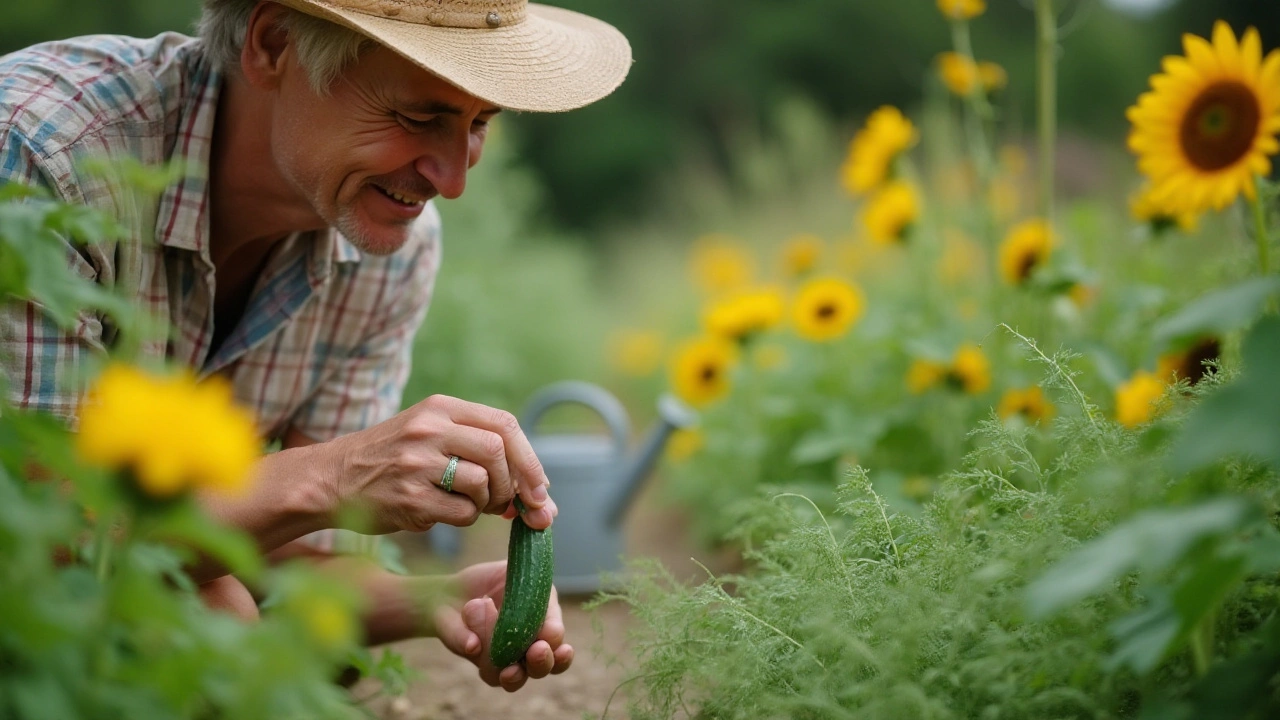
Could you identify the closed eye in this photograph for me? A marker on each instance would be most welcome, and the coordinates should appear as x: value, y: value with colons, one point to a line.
x: 417, y: 124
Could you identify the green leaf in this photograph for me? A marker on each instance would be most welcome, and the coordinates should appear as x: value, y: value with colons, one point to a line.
x: 13, y: 271
x: 1217, y: 313
x: 1145, y: 636
x: 1242, y: 686
x: 186, y: 524
x: 17, y: 191
x: 1242, y: 418
x: 1152, y: 540
x: 1148, y: 636
x: 818, y: 446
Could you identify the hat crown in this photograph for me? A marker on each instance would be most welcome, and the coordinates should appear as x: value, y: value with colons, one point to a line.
x: 442, y: 13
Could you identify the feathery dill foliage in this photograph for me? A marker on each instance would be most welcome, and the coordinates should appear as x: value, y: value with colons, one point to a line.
x: 871, y: 613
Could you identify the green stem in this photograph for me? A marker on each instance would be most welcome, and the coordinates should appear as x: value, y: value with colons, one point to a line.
x: 1202, y: 645
x: 102, y: 549
x: 1260, y: 234
x: 1046, y: 100
x: 977, y: 109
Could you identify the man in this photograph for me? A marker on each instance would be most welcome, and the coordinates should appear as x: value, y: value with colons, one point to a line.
x: 296, y: 253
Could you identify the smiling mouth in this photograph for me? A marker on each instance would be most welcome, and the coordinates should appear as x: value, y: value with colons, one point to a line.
x: 401, y: 199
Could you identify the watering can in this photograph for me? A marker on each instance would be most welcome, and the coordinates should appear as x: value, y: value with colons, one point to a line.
x: 595, y: 477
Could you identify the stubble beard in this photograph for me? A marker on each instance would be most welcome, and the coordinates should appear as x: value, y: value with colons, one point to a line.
x: 348, y: 224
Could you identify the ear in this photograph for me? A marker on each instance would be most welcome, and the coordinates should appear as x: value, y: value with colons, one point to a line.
x: 262, y: 60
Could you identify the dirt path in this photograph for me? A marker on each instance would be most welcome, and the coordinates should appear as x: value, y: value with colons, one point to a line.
x: 448, y: 688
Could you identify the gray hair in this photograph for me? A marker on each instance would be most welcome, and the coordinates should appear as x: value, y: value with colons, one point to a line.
x: 324, y: 48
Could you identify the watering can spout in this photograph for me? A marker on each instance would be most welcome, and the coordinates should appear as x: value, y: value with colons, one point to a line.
x: 672, y: 415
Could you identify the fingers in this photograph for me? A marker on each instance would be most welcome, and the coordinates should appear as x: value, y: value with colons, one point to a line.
x: 549, y: 654
x: 455, y: 634
x: 563, y: 659
x: 522, y: 463
x: 553, y: 626
x: 480, y: 615
x: 485, y: 451
x: 469, y: 480
x: 513, y: 678
x: 539, y: 660
x: 450, y: 509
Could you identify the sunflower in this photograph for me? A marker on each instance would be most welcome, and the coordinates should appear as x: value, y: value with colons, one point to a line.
x: 700, y: 370
x: 891, y: 212
x: 800, y: 254
x: 1025, y: 248
x: 924, y: 374
x: 1189, y: 364
x: 886, y: 135
x: 958, y: 72
x: 1028, y: 403
x: 684, y: 444
x: 970, y: 371
x: 1145, y: 208
x: 635, y: 353
x: 993, y: 77
x: 1005, y: 195
x: 1013, y: 160
x: 1082, y: 294
x: 1136, y: 398
x: 169, y: 432
x: 962, y: 9
x: 961, y: 257
x: 1207, y: 127
x: 918, y: 487
x: 741, y: 316
x: 825, y: 308
x: 721, y: 263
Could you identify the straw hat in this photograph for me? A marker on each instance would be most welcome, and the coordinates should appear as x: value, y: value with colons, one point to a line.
x: 512, y: 53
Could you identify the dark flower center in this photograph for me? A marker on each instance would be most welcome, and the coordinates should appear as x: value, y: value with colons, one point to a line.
x: 1193, y: 369
x: 1026, y: 264
x: 826, y: 311
x: 708, y: 374
x: 1220, y: 126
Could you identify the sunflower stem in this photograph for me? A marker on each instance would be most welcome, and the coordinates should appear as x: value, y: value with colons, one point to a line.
x: 1260, y: 233
x: 1046, y: 100
x: 977, y: 109
x: 102, y: 549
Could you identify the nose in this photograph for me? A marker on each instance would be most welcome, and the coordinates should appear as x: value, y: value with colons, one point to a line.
x: 445, y: 164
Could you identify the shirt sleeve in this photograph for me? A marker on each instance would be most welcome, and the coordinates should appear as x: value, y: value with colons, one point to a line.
x: 42, y: 363
x: 366, y: 386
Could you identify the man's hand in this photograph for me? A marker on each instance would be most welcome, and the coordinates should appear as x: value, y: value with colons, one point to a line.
x: 467, y: 628
x: 392, y: 470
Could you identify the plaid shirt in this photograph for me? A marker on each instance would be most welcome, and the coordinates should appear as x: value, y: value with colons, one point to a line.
x: 323, y: 345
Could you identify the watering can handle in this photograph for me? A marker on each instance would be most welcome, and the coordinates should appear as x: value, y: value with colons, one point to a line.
x: 583, y: 393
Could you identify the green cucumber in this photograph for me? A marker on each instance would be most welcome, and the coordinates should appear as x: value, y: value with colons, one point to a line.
x: 527, y: 593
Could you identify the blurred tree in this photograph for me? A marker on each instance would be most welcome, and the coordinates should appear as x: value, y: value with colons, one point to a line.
x: 711, y: 71
x: 707, y: 71
x: 26, y: 23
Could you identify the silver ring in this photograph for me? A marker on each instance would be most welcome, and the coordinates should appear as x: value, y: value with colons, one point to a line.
x: 450, y: 470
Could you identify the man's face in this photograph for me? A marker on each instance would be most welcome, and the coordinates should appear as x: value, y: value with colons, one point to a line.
x: 389, y: 137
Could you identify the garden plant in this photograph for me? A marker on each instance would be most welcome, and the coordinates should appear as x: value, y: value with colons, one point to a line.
x: 994, y: 454
x: 100, y: 618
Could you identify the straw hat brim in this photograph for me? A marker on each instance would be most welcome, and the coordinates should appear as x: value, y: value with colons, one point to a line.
x: 553, y: 61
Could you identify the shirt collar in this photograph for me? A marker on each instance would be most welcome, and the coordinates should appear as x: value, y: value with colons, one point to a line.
x: 183, y: 217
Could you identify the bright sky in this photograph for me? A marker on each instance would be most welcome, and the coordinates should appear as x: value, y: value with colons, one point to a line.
x: 1139, y: 7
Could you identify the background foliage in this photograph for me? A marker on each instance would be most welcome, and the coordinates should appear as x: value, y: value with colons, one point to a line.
x: 710, y: 75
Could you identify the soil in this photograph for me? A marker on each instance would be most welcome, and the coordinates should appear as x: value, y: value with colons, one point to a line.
x: 448, y: 688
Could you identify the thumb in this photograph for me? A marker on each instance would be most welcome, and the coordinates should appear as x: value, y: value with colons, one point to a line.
x: 455, y: 634
x: 480, y: 615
